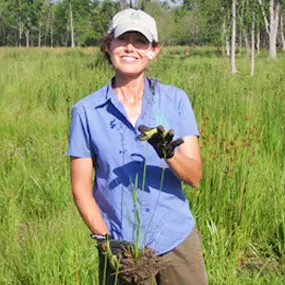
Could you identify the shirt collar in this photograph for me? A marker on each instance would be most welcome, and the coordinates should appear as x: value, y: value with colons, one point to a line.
x: 109, y: 93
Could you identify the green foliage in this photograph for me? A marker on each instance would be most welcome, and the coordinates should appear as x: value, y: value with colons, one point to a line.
x: 239, y: 205
x: 193, y: 22
x: 213, y: 15
x: 164, y: 19
x: 48, y: 22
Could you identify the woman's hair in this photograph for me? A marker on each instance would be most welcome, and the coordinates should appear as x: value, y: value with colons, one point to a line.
x: 105, y: 44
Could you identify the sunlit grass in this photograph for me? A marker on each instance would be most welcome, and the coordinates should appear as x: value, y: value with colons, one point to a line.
x: 239, y: 205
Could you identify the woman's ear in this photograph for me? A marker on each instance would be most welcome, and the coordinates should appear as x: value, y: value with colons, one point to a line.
x: 150, y: 55
x: 153, y: 53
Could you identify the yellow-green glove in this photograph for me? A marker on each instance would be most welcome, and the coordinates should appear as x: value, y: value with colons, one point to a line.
x: 161, y: 140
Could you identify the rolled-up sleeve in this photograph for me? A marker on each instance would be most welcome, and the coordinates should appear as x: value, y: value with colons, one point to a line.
x: 79, y: 136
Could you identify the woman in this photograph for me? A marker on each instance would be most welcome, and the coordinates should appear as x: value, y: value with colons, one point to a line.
x: 120, y: 132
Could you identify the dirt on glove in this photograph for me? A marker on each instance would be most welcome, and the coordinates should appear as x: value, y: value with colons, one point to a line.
x: 142, y: 270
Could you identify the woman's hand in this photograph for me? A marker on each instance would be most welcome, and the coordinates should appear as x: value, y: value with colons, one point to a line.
x: 186, y: 162
x: 160, y: 139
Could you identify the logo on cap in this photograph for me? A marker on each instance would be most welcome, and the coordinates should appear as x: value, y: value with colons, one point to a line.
x: 135, y: 16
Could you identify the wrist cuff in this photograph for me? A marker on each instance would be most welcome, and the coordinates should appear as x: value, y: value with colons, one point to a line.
x: 100, y: 237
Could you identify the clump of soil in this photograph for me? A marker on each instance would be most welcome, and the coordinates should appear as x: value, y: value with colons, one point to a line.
x: 142, y: 270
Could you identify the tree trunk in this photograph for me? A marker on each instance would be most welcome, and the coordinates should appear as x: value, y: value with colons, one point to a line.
x: 71, y: 25
x: 51, y: 29
x: 252, y: 43
x: 20, y: 32
x: 243, y: 32
x: 258, y: 40
x: 51, y: 34
x: 225, y: 40
x: 66, y: 40
x: 246, y: 41
x: 240, y: 42
x: 282, y: 32
x: 272, y: 45
x: 27, y: 34
x: 272, y: 26
x: 274, y: 17
x: 223, y: 37
x: 228, y: 52
x: 122, y: 5
x: 40, y: 35
x: 233, y: 46
x: 46, y: 29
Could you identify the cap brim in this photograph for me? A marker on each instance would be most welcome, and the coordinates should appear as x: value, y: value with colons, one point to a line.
x: 132, y: 27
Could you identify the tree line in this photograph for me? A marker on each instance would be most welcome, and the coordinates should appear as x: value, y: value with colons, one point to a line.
x: 190, y: 22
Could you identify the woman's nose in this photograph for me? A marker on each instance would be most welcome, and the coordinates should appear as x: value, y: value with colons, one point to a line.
x: 130, y: 46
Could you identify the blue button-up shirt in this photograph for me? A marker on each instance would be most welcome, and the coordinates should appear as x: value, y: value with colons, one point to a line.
x: 139, y: 196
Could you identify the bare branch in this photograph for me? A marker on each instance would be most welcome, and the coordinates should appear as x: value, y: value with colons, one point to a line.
x: 266, y: 23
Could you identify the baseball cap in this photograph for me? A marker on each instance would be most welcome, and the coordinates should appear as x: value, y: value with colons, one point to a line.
x: 134, y: 20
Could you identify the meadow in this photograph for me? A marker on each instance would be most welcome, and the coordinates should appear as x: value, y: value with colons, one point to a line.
x: 239, y: 205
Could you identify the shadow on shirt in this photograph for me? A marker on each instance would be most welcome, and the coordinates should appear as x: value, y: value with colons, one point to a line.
x: 128, y: 174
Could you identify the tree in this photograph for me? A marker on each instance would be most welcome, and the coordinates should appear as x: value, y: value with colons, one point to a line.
x: 187, y: 4
x: 8, y: 23
x: 71, y: 24
x: 108, y: 9
x: 233, y: 45
x: 164, y: 19
x: 282, y: 30
x: 271, y: 26
x: 244, y: 20
x: 215, y: 21
x: 28, y: 16
x: 252, y: 40
x: 141, y: 4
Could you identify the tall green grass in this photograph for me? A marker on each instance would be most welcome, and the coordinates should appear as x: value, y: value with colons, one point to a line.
x: 239, y: 204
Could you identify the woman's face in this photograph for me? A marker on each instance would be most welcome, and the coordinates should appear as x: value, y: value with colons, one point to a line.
x: 130, y: 53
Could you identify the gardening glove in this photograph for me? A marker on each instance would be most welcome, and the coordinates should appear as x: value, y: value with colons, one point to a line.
x: 161, y: 140
x: 113, y: 249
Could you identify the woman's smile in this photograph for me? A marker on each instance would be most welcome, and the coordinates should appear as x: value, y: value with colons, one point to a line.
x: 128, y: 58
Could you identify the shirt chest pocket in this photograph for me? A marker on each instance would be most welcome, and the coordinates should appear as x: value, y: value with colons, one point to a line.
x: 111, y: 139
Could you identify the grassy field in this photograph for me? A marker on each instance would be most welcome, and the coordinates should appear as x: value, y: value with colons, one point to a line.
x: 239, y: 205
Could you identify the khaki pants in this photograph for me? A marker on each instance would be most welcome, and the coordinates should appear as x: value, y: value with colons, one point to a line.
x: 184, y: 265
